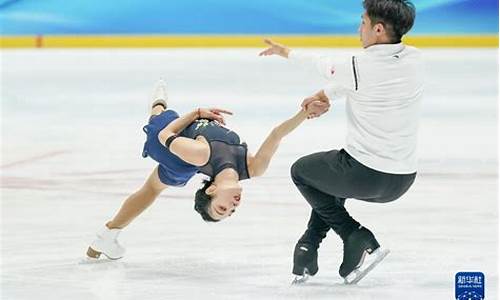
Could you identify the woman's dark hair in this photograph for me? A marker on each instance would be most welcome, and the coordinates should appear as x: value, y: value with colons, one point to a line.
x: 202, y: 201
x: 397, y: 16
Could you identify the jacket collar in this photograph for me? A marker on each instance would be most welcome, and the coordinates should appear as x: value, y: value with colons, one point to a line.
x: 385, y: 49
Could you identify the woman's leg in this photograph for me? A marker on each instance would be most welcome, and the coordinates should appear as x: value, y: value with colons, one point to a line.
x: 157, y: 109
x: 136, y: 203
x: 159, y: 103
x: 106, y: 242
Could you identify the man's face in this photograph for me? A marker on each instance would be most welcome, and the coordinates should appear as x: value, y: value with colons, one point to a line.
x: 367, y: 32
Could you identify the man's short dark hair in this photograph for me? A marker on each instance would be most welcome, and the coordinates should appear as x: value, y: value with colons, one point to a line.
x: 202, y: 202
x: 397, y: 16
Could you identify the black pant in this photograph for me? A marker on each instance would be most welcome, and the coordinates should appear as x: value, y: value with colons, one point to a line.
x: 326, y: 179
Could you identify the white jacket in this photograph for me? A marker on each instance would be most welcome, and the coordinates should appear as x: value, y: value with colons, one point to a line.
x: 383, y: 86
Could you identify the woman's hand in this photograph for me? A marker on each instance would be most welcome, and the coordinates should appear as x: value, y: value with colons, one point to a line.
x: 319, y: 96
x: 316, y: 108
x: 213, y: 114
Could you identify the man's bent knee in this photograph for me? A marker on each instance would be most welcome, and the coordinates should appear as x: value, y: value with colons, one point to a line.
x: 297, y: 170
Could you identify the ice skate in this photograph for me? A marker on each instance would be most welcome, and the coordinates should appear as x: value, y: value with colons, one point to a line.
x: 107, y: 244
x: 362, y: 253
x: 305, y: 263
x: 369, y: 262
x: 160, y: 96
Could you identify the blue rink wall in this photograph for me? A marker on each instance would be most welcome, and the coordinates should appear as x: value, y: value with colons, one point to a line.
x: 29, y: 17
x: 26, y: 23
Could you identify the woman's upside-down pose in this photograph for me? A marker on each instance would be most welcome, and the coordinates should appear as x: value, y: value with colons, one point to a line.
x: 196, y: 142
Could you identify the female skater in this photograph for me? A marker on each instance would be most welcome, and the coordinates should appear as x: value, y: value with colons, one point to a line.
x: 196, y: 142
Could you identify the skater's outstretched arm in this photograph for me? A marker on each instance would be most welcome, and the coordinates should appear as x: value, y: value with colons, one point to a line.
x: 320, y: 63
x: 339, y: 71
x: 258, y: 164
x: 195, y: 152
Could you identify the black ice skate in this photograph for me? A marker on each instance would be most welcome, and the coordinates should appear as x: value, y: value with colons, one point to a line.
x: 305, y: 262
x: 362, y: 253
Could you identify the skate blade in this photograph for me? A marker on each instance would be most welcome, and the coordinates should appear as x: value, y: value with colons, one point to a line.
x: 93, y: 261
x: 301, y: 279
x: 371, y: 261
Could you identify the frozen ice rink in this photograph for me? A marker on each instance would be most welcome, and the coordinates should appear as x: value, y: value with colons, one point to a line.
x: 71, y: 153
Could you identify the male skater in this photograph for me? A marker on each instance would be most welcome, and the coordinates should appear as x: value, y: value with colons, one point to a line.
x: 383, y: 89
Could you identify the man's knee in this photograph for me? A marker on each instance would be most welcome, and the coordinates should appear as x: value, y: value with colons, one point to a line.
x: 386, y: 199
x: 297, y: 170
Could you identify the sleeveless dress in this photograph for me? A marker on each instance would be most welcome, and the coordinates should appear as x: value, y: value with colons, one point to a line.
x: 226, y: 150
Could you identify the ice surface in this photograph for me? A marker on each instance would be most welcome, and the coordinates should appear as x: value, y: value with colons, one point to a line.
x: 71, y: 145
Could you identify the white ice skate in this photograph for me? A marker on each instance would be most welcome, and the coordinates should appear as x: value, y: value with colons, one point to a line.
x: 160, y: 96
x: 107, y: 244
x: 368, y: 263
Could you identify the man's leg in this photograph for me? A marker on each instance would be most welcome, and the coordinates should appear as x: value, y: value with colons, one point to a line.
x: 327, y: 212
x: 316, y: 230
x: 320, y: 177
x: 326, y: 179
x: 305, y: 255
x: 330, y: 210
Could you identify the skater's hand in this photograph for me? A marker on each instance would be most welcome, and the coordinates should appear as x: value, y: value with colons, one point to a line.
x: 213, y: 114
x: 319, y: 96
x: 275, y: 48
x: 316, y: 108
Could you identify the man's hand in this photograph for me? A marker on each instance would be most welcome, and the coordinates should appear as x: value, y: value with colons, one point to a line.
x: 316, y: 108
x: 213, y: 114
x: 319, y: 96
x: 275, y: 48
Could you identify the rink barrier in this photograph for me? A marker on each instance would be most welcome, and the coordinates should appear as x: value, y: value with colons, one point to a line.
x: 220, y: 41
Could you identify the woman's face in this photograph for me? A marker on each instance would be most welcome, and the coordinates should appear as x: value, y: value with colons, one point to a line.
x: 225, y: 199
